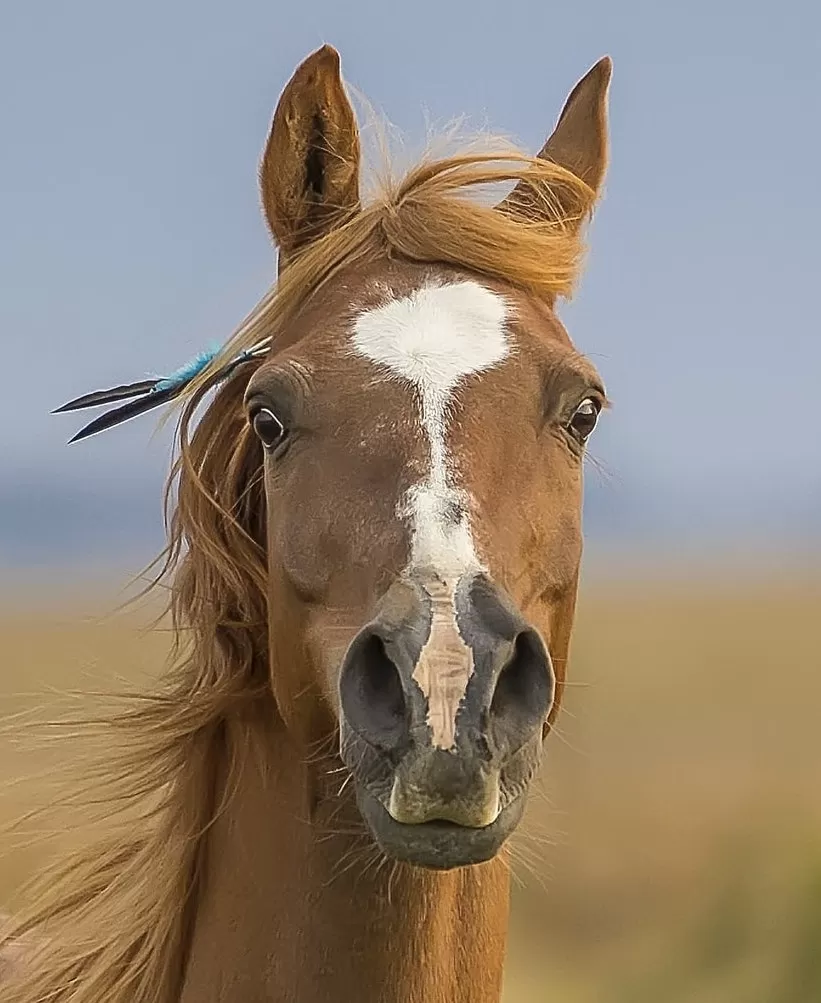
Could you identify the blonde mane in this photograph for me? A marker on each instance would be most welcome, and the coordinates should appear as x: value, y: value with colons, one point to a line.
x: 111, y: 922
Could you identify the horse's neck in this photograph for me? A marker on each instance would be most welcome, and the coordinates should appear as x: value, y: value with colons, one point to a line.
x: 292, y: 906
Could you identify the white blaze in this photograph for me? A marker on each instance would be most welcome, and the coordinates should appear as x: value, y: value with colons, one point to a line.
x: 433, y: 339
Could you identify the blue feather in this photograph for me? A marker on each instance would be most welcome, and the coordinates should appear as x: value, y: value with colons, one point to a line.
x: 187, y: 372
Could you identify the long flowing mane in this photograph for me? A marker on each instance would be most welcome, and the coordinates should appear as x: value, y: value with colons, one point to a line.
x: 111, y: 922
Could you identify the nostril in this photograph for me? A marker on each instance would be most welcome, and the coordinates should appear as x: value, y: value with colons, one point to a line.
x: 371, y: 693
x: 524, y: 692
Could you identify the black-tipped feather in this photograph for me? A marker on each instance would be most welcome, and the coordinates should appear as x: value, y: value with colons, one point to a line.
x: 130, y: 410
x: 108, y: 396
x: 152, y: 393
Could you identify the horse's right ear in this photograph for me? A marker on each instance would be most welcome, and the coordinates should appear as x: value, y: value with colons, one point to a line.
x: 309, y: 177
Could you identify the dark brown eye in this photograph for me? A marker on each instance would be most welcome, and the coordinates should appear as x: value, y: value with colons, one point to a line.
x: 268, y: 427
x: 584, y: 419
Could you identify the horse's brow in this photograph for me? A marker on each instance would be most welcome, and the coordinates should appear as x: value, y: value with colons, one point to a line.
x: 577, y: 368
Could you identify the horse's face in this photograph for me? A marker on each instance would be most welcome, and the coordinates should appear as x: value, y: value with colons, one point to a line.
x: 424, y: 436
x: 424, y: 432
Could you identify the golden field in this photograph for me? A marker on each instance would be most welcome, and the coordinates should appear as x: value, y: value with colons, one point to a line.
x: 673, y: 851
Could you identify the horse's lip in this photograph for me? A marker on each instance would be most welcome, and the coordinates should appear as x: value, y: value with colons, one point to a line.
x: 437, y: 845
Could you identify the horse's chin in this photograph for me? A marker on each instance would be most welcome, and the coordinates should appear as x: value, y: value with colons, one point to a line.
x: 437, y: 845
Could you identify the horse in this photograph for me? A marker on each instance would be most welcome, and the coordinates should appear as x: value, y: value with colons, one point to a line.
x: 374, y: 544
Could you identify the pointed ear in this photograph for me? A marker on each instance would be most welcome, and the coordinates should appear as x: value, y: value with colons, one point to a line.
x: 309, y: 176
x: 579, y: 143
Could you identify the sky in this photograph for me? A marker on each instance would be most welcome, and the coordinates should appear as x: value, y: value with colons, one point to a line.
x: 131, y: 235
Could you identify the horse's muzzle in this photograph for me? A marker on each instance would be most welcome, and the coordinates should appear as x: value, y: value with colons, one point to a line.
x: 443, y: 698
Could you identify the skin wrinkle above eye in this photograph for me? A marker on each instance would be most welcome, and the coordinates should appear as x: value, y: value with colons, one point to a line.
x: 285, y: 390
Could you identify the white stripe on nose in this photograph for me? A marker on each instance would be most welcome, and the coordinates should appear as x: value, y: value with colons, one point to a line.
x: 433, y: 339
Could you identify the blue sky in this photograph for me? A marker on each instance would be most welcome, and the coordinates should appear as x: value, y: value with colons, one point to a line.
x: 130, y: 233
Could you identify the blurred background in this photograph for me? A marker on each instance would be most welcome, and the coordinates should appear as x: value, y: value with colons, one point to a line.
x: 673, y: 852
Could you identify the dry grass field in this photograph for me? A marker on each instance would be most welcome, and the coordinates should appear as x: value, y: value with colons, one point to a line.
x: 673, y: 852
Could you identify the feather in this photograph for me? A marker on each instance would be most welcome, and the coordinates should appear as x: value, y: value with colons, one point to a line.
x: 120, y: 414
x: 153, y: 393
x: 107, y: 396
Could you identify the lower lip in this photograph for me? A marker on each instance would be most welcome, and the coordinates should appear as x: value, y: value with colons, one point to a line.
x: 438, y: 845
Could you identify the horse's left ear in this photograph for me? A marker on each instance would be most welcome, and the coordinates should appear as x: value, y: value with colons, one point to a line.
x: 579, y: 143
x: 309, y: 176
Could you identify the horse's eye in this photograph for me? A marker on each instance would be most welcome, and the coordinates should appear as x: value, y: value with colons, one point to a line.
x: 268, y: 427
x: 584, y: 419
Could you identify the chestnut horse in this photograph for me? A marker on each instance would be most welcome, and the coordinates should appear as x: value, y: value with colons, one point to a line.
x: 374, y: 554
